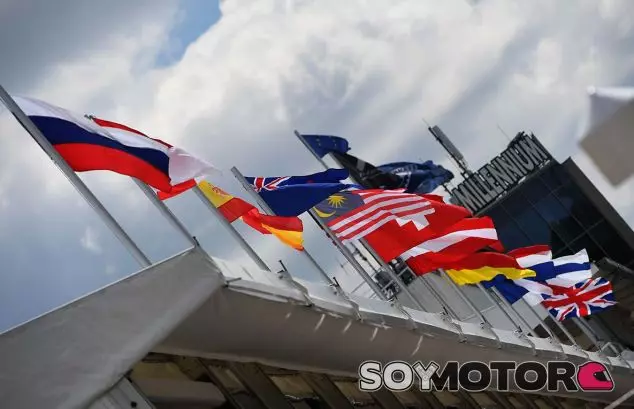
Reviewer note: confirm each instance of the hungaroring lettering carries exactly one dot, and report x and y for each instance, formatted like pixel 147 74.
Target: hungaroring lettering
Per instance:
pixel 524 156
pixel 475 376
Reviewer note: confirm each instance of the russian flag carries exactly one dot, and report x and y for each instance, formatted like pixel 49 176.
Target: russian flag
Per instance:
pixel 88 143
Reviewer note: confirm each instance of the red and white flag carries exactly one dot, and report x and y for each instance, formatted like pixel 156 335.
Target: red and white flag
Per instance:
pixel 384 211
pixel 457 242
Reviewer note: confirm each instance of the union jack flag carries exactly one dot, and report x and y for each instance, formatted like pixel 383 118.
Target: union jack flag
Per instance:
pixel 263 183
pixel 580 300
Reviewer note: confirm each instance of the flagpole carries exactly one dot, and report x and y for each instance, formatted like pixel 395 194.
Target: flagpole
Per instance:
pixel 384 266
pixel 342 247
pixel 543 323
pixel 509 306
pixel 75 180
pixel 166 212
pixel 483 320
pixel 243 243
pixel 349 256
pixel 267 209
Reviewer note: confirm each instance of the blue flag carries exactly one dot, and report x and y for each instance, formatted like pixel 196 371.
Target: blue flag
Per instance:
pixel 337 205
pixel 293 195
pixel 418 177
pixel 562 272
pixel 323 144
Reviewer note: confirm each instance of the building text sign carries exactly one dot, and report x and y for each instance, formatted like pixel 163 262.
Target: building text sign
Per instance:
pixel 524 155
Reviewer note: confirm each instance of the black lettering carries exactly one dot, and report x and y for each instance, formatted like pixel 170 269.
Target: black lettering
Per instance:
pixel 522 380
pixel 521 159
pixel 465 198
pixel 447 378
pixel 485 190
pixel 497 171
pixel 561 371
pixel 470 185
pixel 533 150
pixel 495 184
pixel 502 368
pixel 509 164
pixel 483 376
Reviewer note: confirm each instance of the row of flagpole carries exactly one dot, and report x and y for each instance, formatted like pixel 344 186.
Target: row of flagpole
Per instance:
pixel 499 301
pixel 386 268
pixel 144 261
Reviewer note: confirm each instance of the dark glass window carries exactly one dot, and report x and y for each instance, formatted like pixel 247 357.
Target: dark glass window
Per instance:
pixel 616 248
pixel 585 242
pixel 576 202
pixel 558 218
pixel 554 176
pixel 509 232
pixel 557 245
pixel 534 190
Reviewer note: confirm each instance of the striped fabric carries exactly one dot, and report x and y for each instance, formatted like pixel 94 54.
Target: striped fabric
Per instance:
pixel 380 207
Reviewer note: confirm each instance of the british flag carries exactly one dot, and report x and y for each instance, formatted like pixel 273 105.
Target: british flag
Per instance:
pixel 263 183
pixel 581 299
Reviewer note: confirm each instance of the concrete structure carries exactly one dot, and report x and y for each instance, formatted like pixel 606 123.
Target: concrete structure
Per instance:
pixel 198 332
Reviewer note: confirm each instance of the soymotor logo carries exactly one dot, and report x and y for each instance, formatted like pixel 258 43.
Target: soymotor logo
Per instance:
pixel 475 376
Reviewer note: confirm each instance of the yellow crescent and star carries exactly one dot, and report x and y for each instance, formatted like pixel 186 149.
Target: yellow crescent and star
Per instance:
pixel 334 201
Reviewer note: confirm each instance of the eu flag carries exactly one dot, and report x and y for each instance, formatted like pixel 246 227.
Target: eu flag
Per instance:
pixel 418 177
pixel 293 195
pixel 323 144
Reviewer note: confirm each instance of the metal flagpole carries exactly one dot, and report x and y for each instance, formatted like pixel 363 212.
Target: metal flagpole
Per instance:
pixel 162 207
pixel 267 209
pixel 349 256
pixel 563 328
pixel 243 243
pixel 463 296
pixel 559 324
pixel 396 279
pixel 509 306
pixel 382 264
pixel 540 321
pixel 70 174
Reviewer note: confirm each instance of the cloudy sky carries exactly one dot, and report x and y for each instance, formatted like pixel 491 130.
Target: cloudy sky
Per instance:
pixel 230 82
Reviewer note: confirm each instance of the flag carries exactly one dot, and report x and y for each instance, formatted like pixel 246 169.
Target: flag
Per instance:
pixel 323 144
pixel 356 214
pixel 406 238
pixel 419 177
pixel 563 272
pixel 88 143
pixel 286 229
pixel 232 208
pixel 485 266
pixel 581 299
pixel 455 243
pixel 366 174
pixel 293 195
pixel 537 258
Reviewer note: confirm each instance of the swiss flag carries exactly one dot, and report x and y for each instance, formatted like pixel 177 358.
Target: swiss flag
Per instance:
pixel 396 237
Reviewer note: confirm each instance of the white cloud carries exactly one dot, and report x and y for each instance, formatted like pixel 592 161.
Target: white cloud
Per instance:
pixel 90 240
pixel 368 71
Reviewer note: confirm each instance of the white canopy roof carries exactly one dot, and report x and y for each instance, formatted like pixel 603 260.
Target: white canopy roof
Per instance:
pixel 609 135
pixel 193 305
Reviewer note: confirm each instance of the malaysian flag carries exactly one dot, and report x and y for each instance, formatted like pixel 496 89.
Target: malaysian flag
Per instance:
pixel 581 299
pixel 356 214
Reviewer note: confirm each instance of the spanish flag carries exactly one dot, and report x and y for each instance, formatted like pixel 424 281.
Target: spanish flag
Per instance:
pixel 287 229
pixel 485 266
